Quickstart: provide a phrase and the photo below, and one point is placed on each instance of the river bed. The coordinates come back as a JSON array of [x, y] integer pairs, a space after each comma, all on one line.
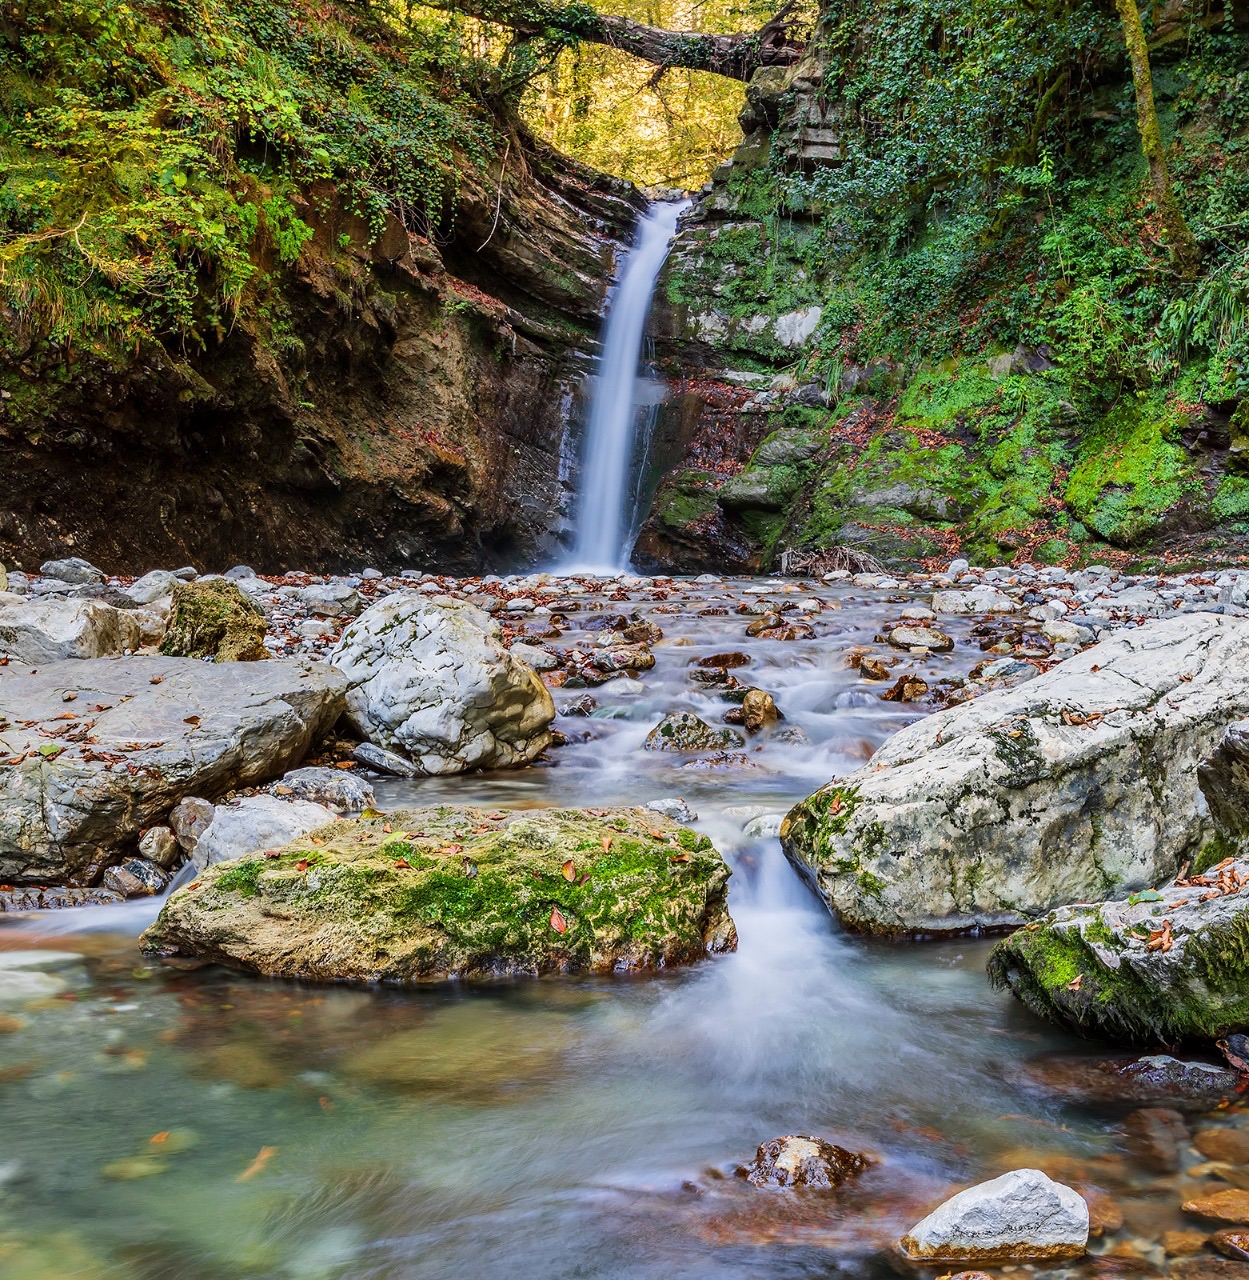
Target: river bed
[[162, 1122]]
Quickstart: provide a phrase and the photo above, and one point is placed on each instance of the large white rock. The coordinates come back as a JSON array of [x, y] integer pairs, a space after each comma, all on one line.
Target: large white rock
[[49, 629], [1021, 1216], [80, 780], [1080, 785], [255, 823], [432, 679]]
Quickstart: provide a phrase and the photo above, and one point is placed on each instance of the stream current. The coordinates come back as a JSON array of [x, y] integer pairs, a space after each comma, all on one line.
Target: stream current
[[199, 1125]]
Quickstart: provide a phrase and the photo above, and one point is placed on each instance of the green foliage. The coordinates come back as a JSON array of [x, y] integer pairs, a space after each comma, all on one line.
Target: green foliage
[[154, 160]]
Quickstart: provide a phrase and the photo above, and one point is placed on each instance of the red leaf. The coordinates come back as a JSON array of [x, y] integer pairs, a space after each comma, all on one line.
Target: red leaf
[[558, 923], [570, 872], [302, 865]]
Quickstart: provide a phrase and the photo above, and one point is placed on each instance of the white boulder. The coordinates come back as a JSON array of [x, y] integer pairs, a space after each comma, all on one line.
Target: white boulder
[[433, 680], [1023, 1216], [256, 823], [46, 630], [1080, 785], [974, 600]]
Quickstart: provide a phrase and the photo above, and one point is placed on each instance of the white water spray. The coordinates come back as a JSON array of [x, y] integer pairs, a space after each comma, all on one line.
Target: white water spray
[[622, 393]]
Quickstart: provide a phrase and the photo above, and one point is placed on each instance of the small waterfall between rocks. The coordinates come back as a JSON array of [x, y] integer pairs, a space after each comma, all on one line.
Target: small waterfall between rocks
[[624, 400]]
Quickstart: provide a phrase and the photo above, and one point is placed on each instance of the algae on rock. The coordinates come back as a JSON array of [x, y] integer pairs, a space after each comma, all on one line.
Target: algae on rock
[[214, 619], [440, 893]]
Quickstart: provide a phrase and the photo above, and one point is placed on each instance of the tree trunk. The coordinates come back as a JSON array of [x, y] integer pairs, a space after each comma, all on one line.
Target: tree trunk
[[1184, 247], [736, 56]]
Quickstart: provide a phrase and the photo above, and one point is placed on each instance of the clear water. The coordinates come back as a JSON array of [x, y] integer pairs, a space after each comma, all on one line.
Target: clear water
[[547, 1129], [621, 402]]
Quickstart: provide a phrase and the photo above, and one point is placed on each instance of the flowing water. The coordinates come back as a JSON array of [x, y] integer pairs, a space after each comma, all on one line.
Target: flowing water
[[622, 404], [199, 1125]]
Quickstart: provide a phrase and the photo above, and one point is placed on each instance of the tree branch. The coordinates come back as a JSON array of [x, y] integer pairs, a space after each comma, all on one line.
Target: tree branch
[[736, 56]]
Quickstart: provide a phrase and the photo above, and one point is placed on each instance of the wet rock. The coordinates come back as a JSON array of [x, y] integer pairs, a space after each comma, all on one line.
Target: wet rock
[[643, 632], [465, 893], [149, 731], [337, 789], [1021, 1216], [767, 622], [372, 756], [790, 631], [1182, 1244], [803, 1162], [1230, 1206], [36, 632], [433, 680], [160, 845], [135, 878], [906, 689], [623, 658], [255, 823], [54, 898], [214, 619], [1154, 1080], [672, 807], [1231, 1146], [684, 731], [1076, 784], [1156, 1137], [725, 661], [74, 569], [920, 638], [1159, 966], [765, 827], [874, 668], [1232, 1244], [758, 711], [585, 705], [1209, 1269]]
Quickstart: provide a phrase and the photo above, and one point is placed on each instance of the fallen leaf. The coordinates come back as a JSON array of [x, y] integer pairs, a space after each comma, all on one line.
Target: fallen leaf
[[1074, 984], [263, 1156], [606, 843], [387, 828], [558, 923], [193, 721], [302, 865], [157, 680], [1160, 939], [680, 857], [570, 872], [403, 864]]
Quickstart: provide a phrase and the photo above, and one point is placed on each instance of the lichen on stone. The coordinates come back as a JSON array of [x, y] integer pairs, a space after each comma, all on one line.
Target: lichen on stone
[[214, 619]]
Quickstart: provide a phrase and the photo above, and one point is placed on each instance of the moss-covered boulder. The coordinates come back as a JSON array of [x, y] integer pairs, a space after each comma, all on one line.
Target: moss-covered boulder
[[439, 893], [214, 619], [1160, 965]]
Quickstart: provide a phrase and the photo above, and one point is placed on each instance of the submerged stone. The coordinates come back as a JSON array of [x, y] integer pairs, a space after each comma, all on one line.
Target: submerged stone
[[441, 893], [796, 1161]]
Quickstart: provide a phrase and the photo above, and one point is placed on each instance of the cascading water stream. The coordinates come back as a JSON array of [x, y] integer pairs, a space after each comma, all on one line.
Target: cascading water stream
[[619, 401]]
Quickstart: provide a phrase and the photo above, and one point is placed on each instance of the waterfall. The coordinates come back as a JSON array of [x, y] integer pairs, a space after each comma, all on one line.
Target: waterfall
[[622, 405]]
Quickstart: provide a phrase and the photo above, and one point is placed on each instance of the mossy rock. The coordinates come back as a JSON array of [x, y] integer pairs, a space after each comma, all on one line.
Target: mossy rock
[[214, 619], [440, 893], [1160, 966]]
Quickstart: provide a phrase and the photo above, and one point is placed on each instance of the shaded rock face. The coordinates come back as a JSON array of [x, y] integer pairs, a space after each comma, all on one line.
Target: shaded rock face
[[1224, 780], [1163, 966], [434, 681], [1021, 1216], [801, 1162], [214, 619], [414, 415], [146, 732], [1078, 784], [42, 631], [441, 893]]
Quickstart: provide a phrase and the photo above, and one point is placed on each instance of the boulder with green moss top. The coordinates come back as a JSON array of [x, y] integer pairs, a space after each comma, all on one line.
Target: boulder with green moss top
[[214, 619], [1080, 784], [684, 731], [440, 893], [1160, 965]]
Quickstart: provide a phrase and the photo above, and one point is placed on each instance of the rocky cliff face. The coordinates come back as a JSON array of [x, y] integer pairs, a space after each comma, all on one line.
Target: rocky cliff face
[[984, 384], [406, 404]]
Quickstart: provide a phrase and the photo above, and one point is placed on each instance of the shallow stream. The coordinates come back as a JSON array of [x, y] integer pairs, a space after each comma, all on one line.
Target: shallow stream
[[198, 1125]]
